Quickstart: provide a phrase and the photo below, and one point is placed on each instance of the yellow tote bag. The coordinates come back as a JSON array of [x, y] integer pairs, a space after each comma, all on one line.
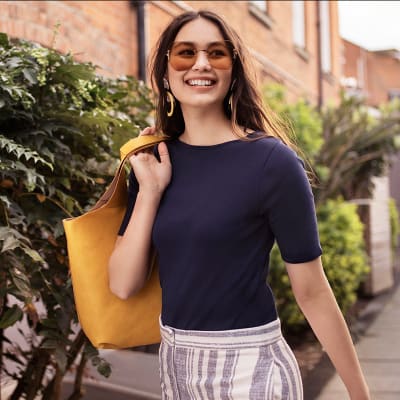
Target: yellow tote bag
[[108, 321]]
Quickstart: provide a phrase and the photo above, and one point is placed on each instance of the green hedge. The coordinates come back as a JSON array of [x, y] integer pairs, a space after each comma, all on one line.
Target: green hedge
[[394, 225], [344, 259], [60, 128]]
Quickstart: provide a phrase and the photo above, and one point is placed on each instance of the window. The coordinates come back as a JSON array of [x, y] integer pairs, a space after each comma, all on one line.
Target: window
[[259, 9], [260, 4], [298, 23], [360, 72], [324, 16]]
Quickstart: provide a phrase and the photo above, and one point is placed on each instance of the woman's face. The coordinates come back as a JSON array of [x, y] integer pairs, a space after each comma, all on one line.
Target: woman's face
[[207, 81]]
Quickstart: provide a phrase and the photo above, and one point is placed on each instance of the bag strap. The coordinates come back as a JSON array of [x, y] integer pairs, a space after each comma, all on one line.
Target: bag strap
[[139, 143], [132, 146]]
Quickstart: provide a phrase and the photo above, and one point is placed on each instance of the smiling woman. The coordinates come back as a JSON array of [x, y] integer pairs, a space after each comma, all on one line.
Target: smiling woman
[[201, 87], [212, 200]]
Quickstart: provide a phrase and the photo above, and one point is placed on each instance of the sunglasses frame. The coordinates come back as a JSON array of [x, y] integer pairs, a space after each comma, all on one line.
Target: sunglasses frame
[[231, 50]]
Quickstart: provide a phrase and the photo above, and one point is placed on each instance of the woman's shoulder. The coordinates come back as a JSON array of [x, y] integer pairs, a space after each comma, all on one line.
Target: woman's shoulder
[[271, 145], [277, 153]]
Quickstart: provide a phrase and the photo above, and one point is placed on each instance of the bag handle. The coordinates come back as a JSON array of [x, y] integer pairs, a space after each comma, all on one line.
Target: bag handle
[[131, 146], [139, 143]]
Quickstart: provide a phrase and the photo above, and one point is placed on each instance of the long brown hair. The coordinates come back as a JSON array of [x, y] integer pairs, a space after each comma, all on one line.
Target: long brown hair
[[247, 110]]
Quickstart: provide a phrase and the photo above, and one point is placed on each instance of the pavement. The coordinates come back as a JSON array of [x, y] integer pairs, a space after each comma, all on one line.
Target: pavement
[[378, 350]]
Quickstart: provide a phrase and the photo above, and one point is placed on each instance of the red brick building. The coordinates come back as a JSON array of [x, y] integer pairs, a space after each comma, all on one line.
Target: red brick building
[[374, 75], [294, 43]]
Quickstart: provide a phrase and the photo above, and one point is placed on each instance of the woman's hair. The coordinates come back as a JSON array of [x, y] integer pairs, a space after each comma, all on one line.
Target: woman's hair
[[247, 109]]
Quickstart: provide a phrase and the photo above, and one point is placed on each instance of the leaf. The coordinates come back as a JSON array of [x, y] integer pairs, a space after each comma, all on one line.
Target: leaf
[[33, 254], [10, 243], [61, 358], [104, 369], [4, 40], [49, 323], [11, 316], [19, 150], [66, 183], [21, 281], [4, 200], [49, 344], [4, 230], [30, 75], [96, 361]]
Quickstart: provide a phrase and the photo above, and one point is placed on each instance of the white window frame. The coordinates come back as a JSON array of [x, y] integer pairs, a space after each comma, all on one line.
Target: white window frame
[[260, 4], [325, 29], [299, 23]]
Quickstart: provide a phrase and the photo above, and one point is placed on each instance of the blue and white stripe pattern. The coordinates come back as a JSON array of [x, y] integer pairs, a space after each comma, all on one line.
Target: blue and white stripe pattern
[[240, 364]]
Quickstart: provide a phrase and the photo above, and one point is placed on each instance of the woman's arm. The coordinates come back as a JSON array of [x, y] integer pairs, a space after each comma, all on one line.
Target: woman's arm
[[130, 259], [315, 298]]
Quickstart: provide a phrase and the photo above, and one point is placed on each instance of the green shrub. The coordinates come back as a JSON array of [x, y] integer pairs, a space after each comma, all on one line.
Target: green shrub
[[60, 126], [357, 147], [302, 119], [344, 260], [394, 225]]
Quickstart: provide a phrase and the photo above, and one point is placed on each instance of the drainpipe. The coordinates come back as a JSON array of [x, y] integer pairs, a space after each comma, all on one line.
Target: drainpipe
[[141, 38], [319, 61]]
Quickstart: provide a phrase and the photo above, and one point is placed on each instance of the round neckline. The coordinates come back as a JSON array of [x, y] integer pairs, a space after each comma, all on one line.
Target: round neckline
[[206, 146], [210, 146]]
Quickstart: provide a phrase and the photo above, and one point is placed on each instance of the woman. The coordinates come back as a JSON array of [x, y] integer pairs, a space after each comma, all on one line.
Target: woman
[[212, 200]]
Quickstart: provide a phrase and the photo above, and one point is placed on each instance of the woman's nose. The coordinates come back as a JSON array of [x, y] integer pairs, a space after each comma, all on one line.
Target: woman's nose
[[201, 61]]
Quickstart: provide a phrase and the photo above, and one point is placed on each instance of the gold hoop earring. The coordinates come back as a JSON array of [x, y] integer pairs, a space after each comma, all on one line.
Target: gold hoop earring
[[230, 102], [171, 101]]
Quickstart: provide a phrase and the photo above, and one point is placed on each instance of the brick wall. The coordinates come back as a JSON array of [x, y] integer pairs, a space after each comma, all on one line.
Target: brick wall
[[383, 75], [376, 72], [355, 64], [103, 32]]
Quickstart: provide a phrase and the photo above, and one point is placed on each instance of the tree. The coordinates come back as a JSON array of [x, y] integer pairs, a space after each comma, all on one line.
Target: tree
[[60, 127], [357, 146]]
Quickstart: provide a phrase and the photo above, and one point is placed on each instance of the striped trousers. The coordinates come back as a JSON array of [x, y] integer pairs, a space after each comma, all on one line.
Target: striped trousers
[[240, 364]]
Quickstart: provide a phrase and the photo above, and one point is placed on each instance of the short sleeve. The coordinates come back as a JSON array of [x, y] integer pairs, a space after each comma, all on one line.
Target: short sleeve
[[288, 203], [133, 188]]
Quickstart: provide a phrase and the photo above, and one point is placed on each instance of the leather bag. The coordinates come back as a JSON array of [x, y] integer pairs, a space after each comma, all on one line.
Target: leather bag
[[108, 321]]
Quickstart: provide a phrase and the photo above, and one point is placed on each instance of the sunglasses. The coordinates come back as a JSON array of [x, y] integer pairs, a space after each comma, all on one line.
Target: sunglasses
[[183, 55]]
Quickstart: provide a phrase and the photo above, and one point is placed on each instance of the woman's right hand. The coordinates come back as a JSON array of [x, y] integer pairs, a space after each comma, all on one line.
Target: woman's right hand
[[153, 176]]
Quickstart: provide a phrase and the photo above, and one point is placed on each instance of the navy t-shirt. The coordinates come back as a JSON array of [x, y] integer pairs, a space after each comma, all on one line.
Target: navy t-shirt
[[218, 218]]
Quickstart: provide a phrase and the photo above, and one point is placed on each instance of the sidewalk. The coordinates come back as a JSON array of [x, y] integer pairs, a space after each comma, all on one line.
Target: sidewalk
[[379, 353]]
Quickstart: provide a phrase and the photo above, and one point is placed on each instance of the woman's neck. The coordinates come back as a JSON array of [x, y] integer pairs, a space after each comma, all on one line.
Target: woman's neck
[[206, 127]]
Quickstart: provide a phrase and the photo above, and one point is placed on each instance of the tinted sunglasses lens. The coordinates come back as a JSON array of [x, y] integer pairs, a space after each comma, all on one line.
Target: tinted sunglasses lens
[[219, 56], [183, 56]]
